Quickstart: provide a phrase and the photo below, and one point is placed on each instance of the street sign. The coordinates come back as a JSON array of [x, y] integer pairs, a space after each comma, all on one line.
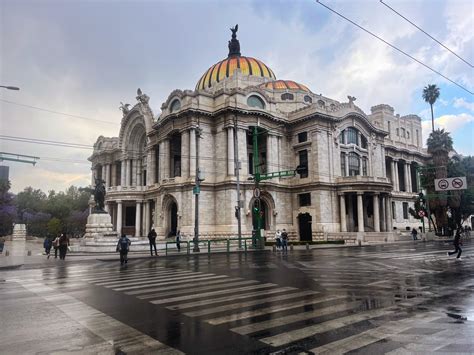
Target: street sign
[[256, 192], [196, 190], [449, 184], [421, 213]]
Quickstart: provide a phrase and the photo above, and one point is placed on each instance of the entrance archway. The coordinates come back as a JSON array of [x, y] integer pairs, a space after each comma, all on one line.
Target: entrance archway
[[304, 223], [173, 211]]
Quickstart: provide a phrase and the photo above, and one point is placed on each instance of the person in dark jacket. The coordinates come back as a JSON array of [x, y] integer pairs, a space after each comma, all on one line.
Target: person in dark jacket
[[123, 246], [47, 244], [63, 245], [152, 239], [457, 244], [414, 234], [178, 240]]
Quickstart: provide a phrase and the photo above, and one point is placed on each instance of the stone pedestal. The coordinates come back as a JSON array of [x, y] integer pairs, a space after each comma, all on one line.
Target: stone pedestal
[[19, 232], [99, 225]]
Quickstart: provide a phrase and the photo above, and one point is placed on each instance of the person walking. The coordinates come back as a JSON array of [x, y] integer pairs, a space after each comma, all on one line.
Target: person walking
[[178, 240], [284, 237], [2, 244], [152, 239], [123, 246], [414, 234], [63, 245], [467, 232], [56, 246], [47, 244], [457, 244], [278, 239]]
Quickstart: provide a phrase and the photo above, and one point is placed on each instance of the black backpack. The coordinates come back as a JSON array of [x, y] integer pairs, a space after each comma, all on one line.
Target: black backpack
[[123, 244]]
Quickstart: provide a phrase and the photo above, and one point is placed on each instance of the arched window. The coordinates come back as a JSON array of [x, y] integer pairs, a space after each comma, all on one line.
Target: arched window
[[255, 101], [354, 164], [321, 103], [308, 99], [408, 135], [287, 96], [352, 136], [175, 105]]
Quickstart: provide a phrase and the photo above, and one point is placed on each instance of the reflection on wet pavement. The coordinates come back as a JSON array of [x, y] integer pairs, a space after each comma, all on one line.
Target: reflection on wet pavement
[[371, 300]]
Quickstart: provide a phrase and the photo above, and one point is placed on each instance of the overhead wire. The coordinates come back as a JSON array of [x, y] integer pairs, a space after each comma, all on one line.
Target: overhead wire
[[394, 47], [58, 112], [426, 33]]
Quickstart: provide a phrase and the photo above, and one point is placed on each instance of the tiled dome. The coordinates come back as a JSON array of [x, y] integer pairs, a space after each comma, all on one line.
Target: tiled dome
[[284, 85]]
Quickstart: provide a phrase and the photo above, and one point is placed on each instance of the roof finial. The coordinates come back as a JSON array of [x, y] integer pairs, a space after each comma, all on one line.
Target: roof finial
[[234, 45]]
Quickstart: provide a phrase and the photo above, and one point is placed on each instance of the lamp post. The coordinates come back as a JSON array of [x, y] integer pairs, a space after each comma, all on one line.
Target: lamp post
[[10, 87]]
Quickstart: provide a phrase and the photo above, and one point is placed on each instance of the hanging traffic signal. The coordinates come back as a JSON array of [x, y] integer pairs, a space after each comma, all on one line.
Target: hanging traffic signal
[[302, 170], [421, 196]]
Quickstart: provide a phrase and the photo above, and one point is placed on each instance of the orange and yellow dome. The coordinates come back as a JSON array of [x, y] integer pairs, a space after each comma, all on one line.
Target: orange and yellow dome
[[225, 69], [284, 85]]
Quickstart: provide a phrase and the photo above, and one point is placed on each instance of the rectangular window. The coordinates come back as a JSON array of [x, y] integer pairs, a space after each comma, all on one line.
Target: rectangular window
[[398, 132], [364, 166], [403, 132], [394, 212], [302, 137], [250, 164], [303, 155], [305, 199], [405, 210], [343, 164]]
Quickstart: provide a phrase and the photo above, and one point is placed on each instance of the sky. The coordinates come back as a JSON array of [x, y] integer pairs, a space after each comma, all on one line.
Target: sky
[[84, 57]]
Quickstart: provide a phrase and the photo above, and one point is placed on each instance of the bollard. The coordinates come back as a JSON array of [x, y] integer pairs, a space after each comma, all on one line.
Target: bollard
[[274, 249], [359, 243], [228, 245], [28, 253], [187, 247], [245, 245], [7, 253], [307, 246], [209, 246], [291, 247]]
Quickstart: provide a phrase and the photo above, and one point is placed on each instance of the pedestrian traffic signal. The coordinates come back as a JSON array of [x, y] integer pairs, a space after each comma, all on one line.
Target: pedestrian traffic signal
[[256, 206], [421, 197]]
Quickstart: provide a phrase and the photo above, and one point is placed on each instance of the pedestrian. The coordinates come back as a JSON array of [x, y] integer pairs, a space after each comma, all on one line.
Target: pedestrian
[[63, 246], [123, 246], [467, 232], [178, 240], [2, 244], [278, 239], [152, 239], [47, 244], [284, 237], [56, 246], [457, 244], [414, 234]]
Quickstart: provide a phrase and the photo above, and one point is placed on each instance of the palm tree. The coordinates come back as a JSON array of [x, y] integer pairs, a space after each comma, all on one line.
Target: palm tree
[[430, 95]]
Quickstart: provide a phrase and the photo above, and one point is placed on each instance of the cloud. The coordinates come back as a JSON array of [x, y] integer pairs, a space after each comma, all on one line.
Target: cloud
[[450, 123], [460, 102]]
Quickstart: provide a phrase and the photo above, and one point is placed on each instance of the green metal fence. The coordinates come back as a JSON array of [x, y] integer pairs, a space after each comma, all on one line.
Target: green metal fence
[[209, 245]]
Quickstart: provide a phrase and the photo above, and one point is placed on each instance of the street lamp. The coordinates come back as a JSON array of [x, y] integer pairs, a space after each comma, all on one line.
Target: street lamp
[[10, 87]]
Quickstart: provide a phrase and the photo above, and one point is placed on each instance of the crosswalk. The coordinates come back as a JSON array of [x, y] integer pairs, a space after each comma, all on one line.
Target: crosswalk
[[370, 297]]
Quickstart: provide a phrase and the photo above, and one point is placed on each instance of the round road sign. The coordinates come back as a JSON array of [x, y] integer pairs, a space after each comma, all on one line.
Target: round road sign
[[421, 213], [443, 184], [457, 183]]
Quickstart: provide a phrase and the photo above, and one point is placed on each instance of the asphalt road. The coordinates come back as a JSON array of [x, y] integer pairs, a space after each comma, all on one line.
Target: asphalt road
[[395, 299]]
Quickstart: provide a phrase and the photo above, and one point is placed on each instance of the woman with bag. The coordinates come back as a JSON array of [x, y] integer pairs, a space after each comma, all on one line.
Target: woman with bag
[[56, 246]]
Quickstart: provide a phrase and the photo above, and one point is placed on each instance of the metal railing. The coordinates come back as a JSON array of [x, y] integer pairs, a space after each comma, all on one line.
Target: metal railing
[[222, 245]]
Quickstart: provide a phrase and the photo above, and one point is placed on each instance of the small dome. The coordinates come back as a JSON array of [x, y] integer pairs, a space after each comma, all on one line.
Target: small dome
[[283, 85], [225, 69]]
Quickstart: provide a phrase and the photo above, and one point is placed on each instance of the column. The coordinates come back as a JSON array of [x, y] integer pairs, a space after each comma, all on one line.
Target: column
[[360, 212], [192, 152], [103, 173], [123, 172], [139, 172], [185, 154], [138, 220], [113, 175], [395, 172], [230, 151], [119, 217], [161, 160], [376, 213], [388, 213], [107, 175], [384, 215], [408, 177], [243, 154], [107, 207], [114, 214], [147, 217], [149, 167], [128, 174], [342, 209], [166, 160], [134, 172], [93, 175]]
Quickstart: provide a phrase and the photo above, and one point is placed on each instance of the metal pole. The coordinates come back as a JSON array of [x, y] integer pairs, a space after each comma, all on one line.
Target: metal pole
[[196, 195], [237, 168], [256, 175]]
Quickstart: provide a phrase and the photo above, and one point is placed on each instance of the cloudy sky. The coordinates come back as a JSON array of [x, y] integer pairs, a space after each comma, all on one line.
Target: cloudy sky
[[82, 57]]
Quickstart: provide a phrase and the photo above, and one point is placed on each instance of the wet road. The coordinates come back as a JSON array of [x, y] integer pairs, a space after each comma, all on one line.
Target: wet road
[[371, 300]]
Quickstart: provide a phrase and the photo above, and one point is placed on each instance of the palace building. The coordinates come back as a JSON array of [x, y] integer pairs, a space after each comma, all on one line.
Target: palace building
[[361, 167]]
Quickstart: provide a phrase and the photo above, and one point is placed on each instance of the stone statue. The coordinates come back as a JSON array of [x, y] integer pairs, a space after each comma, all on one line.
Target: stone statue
[[234, 44], [351, 99], [124, 108], [142, 98]]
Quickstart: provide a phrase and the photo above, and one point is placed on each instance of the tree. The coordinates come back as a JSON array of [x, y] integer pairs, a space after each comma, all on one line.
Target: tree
[[7, 208], [430, 95]]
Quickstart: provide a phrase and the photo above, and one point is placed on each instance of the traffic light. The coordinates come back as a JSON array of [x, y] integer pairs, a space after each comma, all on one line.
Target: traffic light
[[302, 170], [256, 206], [421, 197]]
